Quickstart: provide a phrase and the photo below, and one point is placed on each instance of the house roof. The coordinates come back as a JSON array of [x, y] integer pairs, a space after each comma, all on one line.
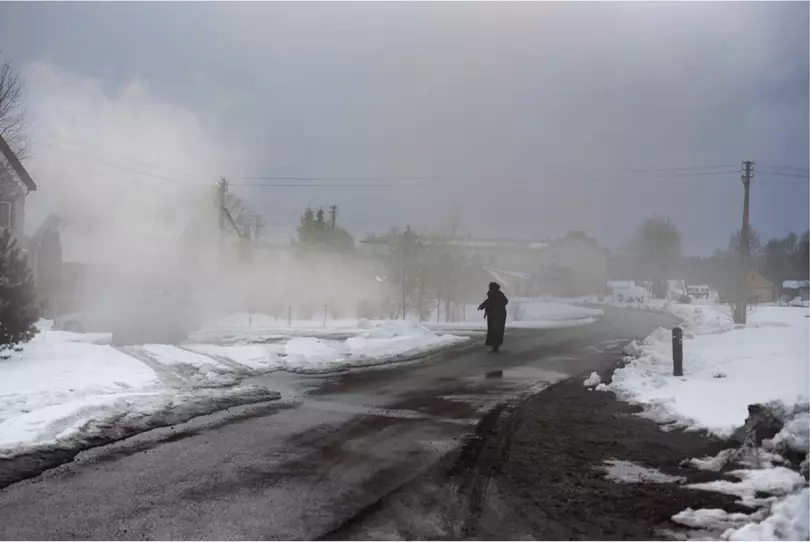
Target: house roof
[[756, 280], [796, 284], [16, 165]]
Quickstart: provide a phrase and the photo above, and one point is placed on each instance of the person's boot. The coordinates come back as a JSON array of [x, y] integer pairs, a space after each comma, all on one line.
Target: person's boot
[[495, 348]]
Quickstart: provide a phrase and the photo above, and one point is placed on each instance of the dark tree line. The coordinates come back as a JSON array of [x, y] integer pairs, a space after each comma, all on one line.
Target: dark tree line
[[655, 256], [316, 231]]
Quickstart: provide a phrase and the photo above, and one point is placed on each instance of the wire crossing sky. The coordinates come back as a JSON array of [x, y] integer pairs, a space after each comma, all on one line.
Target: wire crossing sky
[[526, 119]]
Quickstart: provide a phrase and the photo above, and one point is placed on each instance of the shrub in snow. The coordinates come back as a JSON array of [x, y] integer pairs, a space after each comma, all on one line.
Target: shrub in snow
[[18, 311], [592, 380]]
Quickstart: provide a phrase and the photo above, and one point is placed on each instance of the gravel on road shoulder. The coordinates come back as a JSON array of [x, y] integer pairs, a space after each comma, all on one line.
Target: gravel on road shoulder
[[533, 470]]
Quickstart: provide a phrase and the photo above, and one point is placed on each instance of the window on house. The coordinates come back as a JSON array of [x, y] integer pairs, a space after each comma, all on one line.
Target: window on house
[[5, 214]]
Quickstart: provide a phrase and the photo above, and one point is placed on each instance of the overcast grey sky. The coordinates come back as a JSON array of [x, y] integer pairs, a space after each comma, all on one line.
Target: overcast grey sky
[[532, 116]]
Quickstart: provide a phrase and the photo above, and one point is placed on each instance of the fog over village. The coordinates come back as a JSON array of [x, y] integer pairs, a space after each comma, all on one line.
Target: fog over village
[[214, 209]]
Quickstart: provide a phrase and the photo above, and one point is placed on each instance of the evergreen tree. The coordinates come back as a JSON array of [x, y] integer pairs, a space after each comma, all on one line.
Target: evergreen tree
[[18, 311], [315, 231]]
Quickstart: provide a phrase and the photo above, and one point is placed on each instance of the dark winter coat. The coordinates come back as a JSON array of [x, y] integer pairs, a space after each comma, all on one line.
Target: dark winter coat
[[495, 312]]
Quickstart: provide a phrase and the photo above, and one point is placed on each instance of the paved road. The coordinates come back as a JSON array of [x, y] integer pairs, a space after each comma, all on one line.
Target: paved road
[[303, 466]]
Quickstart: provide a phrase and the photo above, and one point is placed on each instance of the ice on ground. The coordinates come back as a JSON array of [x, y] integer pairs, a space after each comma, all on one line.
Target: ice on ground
[[783, 515], [627, 472], [785, 518], [592, 380], [726, 368], [714, 464], [713, 519], [789, 519], [795, 435], [773, 481]]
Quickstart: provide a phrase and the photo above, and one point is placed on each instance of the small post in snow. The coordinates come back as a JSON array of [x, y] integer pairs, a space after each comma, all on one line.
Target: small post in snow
[[289, 315], [325, 309], [677, 351]]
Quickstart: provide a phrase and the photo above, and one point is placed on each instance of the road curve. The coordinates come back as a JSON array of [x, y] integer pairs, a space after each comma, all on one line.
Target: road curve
[[300, 467]]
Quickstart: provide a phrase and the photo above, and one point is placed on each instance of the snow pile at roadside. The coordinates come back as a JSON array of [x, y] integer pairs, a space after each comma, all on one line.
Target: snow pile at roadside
[[726, 368], [63, 390], [783, 515], [593, 380], [373, 344]]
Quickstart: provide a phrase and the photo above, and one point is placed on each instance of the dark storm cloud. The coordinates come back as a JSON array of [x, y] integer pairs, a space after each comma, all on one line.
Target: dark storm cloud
[[531, 115]]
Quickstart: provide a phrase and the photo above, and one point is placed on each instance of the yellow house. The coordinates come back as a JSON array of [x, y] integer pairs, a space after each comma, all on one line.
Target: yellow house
[[760, 289]]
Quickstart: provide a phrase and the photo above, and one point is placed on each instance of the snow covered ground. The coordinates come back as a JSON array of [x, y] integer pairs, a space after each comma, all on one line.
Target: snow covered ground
[[525, 314], [521, 314], [370, 343], [726, 368], [63, 390]]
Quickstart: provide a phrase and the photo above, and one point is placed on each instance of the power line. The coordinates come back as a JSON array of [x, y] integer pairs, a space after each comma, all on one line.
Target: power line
[[116, 165], [441, 180], [686, 168], [780, 174], [96, 149], [789, 169], [686, 171]]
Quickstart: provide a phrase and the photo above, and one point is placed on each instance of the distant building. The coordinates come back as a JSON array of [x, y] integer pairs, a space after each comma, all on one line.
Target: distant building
[[573, 265], [15, 184], [760, 289], [791, 289]]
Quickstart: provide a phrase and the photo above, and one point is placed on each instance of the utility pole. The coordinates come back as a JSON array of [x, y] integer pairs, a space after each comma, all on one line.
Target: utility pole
[[745, 245], [333, 213]]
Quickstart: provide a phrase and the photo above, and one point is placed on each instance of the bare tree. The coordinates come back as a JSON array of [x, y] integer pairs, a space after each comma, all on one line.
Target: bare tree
[[257, 226], [12, 112]]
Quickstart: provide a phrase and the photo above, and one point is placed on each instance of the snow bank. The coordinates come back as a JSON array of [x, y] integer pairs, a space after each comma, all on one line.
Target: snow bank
[[781, 516], [380, 343], [726, 368], [521, 314], [593, 380], [789, 519], [65, 390]]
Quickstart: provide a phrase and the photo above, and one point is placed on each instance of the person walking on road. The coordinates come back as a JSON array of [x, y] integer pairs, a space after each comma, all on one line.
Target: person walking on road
[[495, 312]]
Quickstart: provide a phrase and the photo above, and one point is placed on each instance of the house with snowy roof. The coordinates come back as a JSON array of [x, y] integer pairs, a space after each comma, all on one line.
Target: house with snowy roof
[[791, 289], [15, 184]]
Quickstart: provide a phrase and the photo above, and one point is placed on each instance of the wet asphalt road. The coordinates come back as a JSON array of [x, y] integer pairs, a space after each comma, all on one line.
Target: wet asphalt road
[[301, 467]]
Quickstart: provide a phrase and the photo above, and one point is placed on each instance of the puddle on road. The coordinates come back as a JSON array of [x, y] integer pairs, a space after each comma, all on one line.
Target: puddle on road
[[517, 378]]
